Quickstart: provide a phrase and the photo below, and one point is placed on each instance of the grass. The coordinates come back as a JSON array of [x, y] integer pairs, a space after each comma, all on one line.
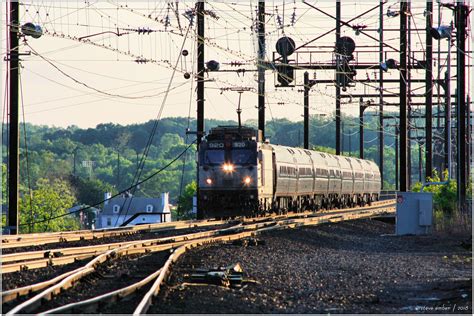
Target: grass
[[455, 222]]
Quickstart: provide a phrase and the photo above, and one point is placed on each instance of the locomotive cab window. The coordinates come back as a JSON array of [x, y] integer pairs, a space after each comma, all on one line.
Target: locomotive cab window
[[214, 157], [243, 156]]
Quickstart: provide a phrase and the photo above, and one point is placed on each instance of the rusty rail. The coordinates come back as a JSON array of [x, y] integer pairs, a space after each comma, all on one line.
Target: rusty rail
[[364, 212], [181, 246], [43, 258], [23, 240]]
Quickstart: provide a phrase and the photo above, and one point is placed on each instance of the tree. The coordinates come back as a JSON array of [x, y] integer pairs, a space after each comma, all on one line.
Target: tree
[[4, 182], [90, 191], [185, 201], [51, 199], [324, 149]]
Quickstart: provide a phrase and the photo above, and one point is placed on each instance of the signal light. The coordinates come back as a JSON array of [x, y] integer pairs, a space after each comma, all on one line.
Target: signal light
[[247, 180], [213, 65], [442, 31], [209, 181], [32, 30], [285, 75], [389, 64]]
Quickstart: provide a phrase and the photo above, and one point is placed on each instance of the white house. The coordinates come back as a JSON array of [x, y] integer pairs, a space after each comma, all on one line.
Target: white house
[[120, 209]]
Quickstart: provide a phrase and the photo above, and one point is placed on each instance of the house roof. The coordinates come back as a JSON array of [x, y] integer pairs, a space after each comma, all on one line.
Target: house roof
[[133, 204]]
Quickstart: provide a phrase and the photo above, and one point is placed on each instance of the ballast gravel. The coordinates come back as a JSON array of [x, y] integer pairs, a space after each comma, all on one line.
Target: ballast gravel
[[348, 267]]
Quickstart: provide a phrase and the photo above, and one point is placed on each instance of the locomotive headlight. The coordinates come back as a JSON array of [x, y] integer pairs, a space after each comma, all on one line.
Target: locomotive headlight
[[228, 167], [247, 180], [209, 181]]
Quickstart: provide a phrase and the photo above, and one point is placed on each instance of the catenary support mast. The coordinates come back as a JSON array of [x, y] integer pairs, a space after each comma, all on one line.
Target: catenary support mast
[[14, 139]]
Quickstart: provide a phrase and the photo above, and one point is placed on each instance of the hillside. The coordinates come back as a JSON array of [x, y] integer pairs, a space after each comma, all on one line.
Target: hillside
[[106, 158]]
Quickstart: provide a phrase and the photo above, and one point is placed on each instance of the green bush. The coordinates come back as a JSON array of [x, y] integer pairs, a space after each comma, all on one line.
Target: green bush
[[444, 195], [446, 215], [185, 202]]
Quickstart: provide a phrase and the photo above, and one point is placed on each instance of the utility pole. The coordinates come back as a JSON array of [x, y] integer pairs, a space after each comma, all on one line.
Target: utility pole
[[462, 12], [261, 69], [350, 141], [469, 136], [447, 110], [362, 108], [397, 133], [381, 60], [118, 170], [200, 86], [338, 88], [342, 138], [74, 153], [429, 92], [200, 70], [408, 84], [439, 85], [307, 87], [306, 110], [403, 98], [420, 162], [14, 137]]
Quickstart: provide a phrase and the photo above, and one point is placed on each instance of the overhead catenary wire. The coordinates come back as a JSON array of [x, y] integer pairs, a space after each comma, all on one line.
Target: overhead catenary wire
[[85, 84], [187, 127], [158, 5], [152, 134]]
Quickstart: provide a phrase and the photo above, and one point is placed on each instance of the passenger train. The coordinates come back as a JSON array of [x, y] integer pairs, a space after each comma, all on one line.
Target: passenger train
[[239, 176]]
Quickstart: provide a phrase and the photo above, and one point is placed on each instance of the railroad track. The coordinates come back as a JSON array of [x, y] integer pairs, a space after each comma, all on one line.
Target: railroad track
[[25, 240], [175, 246], [59, 256]]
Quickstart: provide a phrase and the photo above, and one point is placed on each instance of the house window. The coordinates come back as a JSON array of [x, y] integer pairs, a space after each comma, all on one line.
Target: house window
[[116, 208], [109, 221], [149, 208]]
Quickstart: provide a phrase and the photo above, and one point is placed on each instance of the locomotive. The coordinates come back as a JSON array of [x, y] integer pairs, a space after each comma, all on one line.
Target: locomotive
[[240, 176]]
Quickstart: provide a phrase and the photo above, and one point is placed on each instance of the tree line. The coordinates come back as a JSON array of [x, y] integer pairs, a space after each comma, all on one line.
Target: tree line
[[76, 166]]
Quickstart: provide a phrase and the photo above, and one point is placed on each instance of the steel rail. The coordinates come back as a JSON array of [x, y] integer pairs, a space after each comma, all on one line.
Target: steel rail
[[104, 230], [44, 258], [137, 247], [125, 250], [245, 231], [69, 281], [13, 294], [43, 263], [48, 238], [60, 256], [92, 304], [22, 240], [364, 212], [35, 239], [142, 246], [147, 299]]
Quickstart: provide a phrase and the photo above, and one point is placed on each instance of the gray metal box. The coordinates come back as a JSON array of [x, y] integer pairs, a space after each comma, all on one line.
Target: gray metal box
[[414, 213]]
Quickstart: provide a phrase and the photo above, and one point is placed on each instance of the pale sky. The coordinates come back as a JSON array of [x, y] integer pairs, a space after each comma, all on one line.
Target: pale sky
[[74, 82]]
